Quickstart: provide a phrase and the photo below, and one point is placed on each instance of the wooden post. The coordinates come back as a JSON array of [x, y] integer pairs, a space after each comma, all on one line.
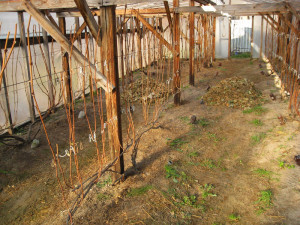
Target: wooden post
[[229, 38], [79, 44], [266, 37], [56, 33], [26, 63], [261, 37], [122, 50], [252, 35], [214, 39], [10, 124], [109, 46], [48, 67], [139, 42], [65, 61], [192, 45], [176, 57], [88, 18], [162, 34]]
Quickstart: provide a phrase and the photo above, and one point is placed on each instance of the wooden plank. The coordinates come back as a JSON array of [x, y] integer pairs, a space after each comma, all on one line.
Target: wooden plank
[[261, 37], [214, 39], [77, 35], [88, 18], [167, 8], [293, 10], [162, 34], [8, 111], [239, 9], [48, 68], [296, 31], [119, 12], [66, 44], [176, 58], [109, 48], [26, 63], [273, 21], [139, 42], [252, 35], [16, 5], [153, 30], [65, 62], [192, 46], [229, 38]]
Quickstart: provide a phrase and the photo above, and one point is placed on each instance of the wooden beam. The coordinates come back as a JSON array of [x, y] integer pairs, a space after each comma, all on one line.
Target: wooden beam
[[205, 2], [119, 12], [273, 21], [88, 18], [192, 46], [176, 58], [270, 22], [261, 37], [48, 68], [153, 30], [296, 31], [229, 38], [8, 111], [293, 10], [79, 29], [26, 63], [167, 8], [109, 49], [252, 35], [214, 39], [239, 9], [66, 44], [16, 5], [47, 13], [65, 63], [139, 42]]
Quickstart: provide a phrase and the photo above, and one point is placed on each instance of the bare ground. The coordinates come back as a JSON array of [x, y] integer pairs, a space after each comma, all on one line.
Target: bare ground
[[212, 172]]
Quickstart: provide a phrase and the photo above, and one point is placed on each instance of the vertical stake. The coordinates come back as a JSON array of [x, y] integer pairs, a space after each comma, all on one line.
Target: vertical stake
[[26, 62], [192, 46], [65, 62], [10, 124], [176, 57], [109, 46], [50, 82]]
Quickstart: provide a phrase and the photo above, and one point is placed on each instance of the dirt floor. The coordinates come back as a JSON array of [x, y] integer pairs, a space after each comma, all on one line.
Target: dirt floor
[[230, 167]]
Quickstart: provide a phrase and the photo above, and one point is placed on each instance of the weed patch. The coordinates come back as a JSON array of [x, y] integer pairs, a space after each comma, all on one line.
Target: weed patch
[[258, 138], [257, 122], [258, 110], [139, 191], [264, 201]]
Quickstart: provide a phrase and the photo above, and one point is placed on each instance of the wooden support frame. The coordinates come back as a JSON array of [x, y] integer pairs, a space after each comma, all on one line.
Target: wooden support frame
[[214, 39], [65, 63], [261, 37], [229, 39], [66, 44], [252, 37], [48, 68], [88, 18], [192, 46], [139, 42], [79, 30], [109, 49], [8, 111], [288, 23], [26, 63], [176, 58], [153, 30], [167, 8]]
